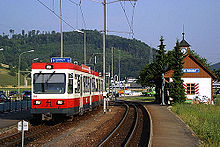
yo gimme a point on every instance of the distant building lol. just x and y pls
(5, 65)
(131, 83)
(197, 78)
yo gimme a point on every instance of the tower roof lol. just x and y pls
(183, 43)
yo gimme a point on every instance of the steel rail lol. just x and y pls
(134, 127)
(116, 128)
(17, 135)
(15, 139)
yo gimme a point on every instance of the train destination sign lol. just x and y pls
(191, 70)
(56, 59)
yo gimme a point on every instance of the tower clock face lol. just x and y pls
(184, 50)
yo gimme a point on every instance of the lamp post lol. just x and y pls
(19, 65)
(84, 44)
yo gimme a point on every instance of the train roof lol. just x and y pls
(82, 68)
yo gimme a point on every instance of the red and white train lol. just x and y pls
(64, 89)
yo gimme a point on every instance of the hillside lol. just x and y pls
(8, 80)
(215, 66)
(134, 54)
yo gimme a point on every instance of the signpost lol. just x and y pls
(22, 126)
(57, 59)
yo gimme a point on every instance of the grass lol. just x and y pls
(8, 80)
(140, 98)
(203, 119)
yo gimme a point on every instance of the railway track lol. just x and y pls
(41, 131)
(132, 130)
(32, 134)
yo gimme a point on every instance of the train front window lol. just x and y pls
(52, 83)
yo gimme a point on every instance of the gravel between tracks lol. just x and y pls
(85, 132)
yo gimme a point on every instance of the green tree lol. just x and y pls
(151, 74)
(161, 62)
(177, 91)
(202, 60)
(217, 73)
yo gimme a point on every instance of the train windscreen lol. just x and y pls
(49, 83)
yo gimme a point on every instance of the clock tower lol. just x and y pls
(184, 46)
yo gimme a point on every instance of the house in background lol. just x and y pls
(197, 78)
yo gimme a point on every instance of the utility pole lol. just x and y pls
(61, 31)
(112, 75)
(109, 78)
(162, 95)
(104, 37)
(119, 72)
(84, 47)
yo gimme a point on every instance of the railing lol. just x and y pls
(11, 106)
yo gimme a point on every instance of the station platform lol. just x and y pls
(8, 119)
(168, 129)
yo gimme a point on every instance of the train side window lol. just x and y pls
(84, 84)
(77, 78)
(96, 85)
(93, 84)
(70, 83)
(87, 84)
(101, 85)
(90, 85)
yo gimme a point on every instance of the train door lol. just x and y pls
(81, 95)
(90, 93)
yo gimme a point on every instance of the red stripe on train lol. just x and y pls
(52, 103)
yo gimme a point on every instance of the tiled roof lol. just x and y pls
(183, 43)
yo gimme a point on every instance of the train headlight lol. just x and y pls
(49, 66)
(37, 102)
(59, 102)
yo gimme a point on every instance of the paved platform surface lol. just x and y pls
(8, 119)
(169, 130)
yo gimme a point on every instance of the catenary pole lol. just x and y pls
(104, 39)
(119, 70)
(112, 77)
(61, 31)
(84, 47)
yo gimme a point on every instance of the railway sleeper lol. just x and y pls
(47, 116)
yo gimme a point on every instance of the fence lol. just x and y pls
(11, 106)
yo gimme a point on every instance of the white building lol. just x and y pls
(197, 78)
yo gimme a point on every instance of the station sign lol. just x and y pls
(190, 70)
(58, 60)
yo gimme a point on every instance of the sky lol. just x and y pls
(152, 19)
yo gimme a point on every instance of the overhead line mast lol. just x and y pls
(61, 31)
(104, 33)
(104, 38)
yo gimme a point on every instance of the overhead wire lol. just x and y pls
(83, 19)
(74, 2)
(56, 15)
(53, 5)
(82, 14)
(131, 29)
(132, 19)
